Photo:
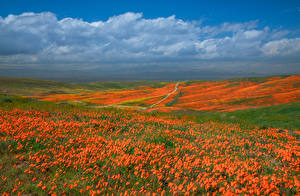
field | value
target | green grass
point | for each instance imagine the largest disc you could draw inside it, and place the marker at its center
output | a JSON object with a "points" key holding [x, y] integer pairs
{"points": [[284, 116], [125, 85], [135, 102], [10, 102], [25, 86]]}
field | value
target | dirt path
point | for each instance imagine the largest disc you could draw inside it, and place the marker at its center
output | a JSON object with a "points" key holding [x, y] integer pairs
{"points": [[166, 97], [140, 107]]}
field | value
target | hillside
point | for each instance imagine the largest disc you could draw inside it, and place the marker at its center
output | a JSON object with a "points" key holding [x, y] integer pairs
{"points": [[263, 101], [226, 95], [46, 148], [238, 94], [27, 86]]}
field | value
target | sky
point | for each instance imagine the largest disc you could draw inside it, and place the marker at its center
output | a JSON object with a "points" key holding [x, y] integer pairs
{"points": [[151, 39]]}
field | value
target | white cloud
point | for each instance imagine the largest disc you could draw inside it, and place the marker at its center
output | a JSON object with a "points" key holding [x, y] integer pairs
{"points": [[228, 27], [41, 37], [283, 47]]}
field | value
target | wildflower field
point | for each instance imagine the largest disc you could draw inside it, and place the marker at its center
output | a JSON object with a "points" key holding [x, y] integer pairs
{"points": [[226, 95], [48, 148]]}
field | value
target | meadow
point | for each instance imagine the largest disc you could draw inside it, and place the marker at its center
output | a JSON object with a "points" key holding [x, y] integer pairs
{"points": [[214, 148], [220, 96]]}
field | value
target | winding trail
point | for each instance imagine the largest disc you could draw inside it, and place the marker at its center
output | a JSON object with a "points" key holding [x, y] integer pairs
{"points": [[140, 107], [166, 97]]}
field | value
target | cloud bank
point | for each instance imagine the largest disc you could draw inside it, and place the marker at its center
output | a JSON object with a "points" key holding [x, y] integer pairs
{"points": [[42, 39]]}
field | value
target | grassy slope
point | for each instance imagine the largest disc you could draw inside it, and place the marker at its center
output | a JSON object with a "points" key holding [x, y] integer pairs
{"points": [[24, 86], [284, 116], [10, 102]]}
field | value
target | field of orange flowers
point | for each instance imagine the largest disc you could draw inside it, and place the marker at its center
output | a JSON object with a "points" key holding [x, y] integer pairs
{"points": [[108, 97], [227, 95], [236, 95], [127, 153]]}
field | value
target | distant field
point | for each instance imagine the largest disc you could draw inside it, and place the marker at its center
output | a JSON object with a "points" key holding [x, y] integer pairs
{"points": [[226, 95], [24, 86]]}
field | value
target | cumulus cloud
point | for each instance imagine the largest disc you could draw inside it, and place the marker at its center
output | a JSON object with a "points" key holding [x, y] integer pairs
{"points": [[42, 38], [283, 47]]}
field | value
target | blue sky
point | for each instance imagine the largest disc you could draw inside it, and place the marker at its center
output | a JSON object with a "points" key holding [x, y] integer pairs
{"points": [[251, 36], [275, 13]]}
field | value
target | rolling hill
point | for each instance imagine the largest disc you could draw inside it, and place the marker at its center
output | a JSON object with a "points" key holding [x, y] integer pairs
{"points": [[257, 101], [231, 137], [224, 95]]}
